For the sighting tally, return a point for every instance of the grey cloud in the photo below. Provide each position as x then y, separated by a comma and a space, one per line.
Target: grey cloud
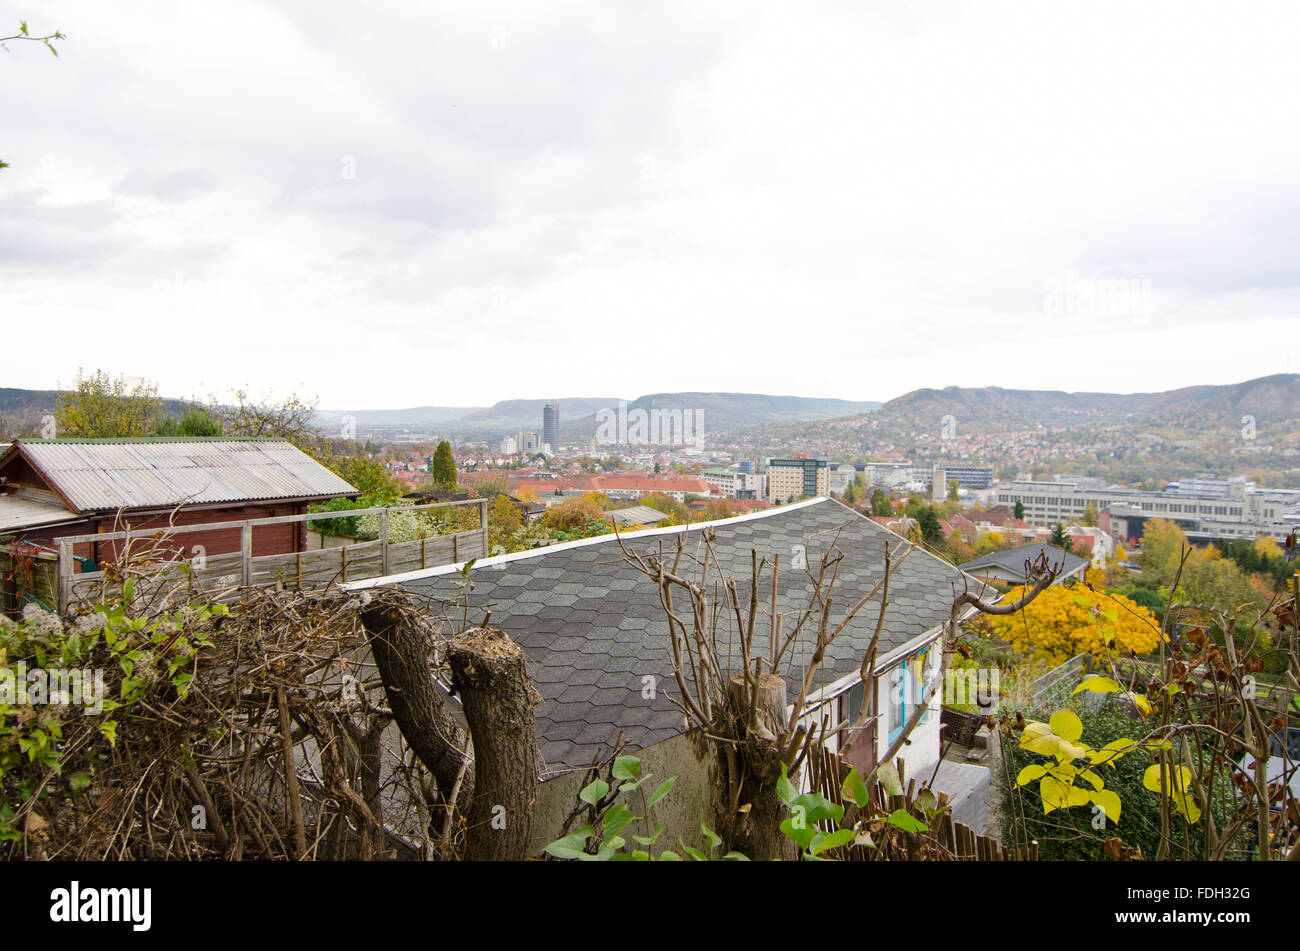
167, 184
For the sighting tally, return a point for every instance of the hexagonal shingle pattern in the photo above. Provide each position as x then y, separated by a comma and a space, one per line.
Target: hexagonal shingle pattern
596, 635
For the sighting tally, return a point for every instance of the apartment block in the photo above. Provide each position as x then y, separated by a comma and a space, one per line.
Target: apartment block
736, 483
1205, 510
790, 479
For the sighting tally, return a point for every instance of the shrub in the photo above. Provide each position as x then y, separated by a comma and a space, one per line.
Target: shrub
1069, 833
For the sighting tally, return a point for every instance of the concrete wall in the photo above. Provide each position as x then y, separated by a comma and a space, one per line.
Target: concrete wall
689, 801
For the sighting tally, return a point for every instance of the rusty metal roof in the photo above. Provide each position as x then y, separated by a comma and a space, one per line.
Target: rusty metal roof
106, 475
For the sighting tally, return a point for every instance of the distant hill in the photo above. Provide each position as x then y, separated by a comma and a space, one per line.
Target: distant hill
724, 412
993, 409
414, 416
24, 410
579, 419
578, 414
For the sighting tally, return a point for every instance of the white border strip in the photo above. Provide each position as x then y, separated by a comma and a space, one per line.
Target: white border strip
405, 576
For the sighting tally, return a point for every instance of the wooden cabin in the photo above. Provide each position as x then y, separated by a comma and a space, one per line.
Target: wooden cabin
58, 488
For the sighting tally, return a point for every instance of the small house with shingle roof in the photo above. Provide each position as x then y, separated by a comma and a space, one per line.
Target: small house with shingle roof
597, 639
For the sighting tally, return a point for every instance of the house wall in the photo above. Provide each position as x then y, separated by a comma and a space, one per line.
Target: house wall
691, 798
267, 540
922, 750
689, 801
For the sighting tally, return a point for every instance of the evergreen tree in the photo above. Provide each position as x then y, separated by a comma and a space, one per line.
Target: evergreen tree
880, 503
931, 530
444, 467
1020, 510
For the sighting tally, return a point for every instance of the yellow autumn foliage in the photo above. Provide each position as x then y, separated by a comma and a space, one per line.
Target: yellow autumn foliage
1062, 622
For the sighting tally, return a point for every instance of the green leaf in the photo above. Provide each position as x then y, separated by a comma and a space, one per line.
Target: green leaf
571, 845
888, 775
649, 839
817, 808
692, 852
833, 841
785, 790
594, 791
79, 782
662, 791
715, 840
801, 836
854, 788
906, 821
627, 767
616, 820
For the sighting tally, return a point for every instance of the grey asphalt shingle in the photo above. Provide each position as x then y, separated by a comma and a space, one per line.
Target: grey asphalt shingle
596, 635
1013, 560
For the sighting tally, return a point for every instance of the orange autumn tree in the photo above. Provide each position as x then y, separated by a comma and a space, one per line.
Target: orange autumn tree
1062, 622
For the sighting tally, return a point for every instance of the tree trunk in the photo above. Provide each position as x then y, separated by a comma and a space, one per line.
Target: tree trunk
750, 812
490, 674
497, 761
401, 655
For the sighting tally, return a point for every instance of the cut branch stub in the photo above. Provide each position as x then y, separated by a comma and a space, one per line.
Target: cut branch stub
758, 705
490, 674
402, 657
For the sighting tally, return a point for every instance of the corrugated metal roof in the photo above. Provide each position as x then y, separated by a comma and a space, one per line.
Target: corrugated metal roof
638, 515
108, 475
18, 513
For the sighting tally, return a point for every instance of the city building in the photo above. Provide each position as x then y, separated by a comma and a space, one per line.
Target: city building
527, 443
939, 485
896, 475
791, 479
841, 477
635, 485
551, 426
1206, 510
735, 483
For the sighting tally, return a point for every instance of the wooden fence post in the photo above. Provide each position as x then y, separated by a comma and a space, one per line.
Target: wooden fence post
383, 542
65, 576
246, 555
483, 528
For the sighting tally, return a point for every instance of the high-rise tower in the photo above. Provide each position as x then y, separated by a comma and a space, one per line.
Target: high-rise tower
551, 425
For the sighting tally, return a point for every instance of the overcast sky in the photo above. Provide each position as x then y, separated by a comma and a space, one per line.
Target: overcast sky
418, 203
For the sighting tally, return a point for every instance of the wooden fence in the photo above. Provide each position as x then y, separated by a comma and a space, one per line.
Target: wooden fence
222, 577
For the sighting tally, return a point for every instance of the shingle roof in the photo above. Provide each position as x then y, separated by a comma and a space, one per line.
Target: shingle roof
104, 475
593, 628
1013, 560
